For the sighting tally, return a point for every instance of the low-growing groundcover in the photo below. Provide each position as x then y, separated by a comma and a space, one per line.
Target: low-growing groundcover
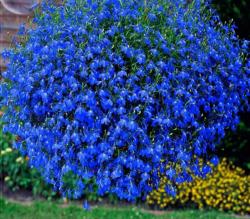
114, 91
48, 210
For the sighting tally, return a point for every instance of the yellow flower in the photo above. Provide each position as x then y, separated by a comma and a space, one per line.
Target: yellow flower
227, 188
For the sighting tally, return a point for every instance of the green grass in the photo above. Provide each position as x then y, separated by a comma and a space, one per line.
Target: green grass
50, 210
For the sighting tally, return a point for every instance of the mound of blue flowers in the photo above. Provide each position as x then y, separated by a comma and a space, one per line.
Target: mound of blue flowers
113, 91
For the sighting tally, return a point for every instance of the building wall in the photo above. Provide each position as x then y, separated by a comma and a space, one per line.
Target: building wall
9, 24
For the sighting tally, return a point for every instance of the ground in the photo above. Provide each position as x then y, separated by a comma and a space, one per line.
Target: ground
22, 204
55, 210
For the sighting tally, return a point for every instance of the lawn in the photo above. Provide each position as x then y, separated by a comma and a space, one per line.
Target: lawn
50, 210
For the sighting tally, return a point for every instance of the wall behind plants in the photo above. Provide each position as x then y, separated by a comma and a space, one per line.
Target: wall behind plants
9, 24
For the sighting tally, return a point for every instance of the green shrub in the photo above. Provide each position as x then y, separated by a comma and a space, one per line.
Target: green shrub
236, 146
15, 170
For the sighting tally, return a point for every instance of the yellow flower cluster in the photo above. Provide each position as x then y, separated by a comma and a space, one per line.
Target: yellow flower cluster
226, 189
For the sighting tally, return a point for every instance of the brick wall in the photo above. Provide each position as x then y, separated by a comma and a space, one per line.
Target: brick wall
9, 24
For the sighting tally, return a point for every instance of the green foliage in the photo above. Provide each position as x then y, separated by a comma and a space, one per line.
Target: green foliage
236, 146
238, 10
15, 170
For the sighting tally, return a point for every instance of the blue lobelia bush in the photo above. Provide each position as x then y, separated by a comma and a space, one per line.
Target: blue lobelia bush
116, 90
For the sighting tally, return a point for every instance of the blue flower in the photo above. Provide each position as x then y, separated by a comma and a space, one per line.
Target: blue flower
215, 160
80, 114
171, 173
86, 206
